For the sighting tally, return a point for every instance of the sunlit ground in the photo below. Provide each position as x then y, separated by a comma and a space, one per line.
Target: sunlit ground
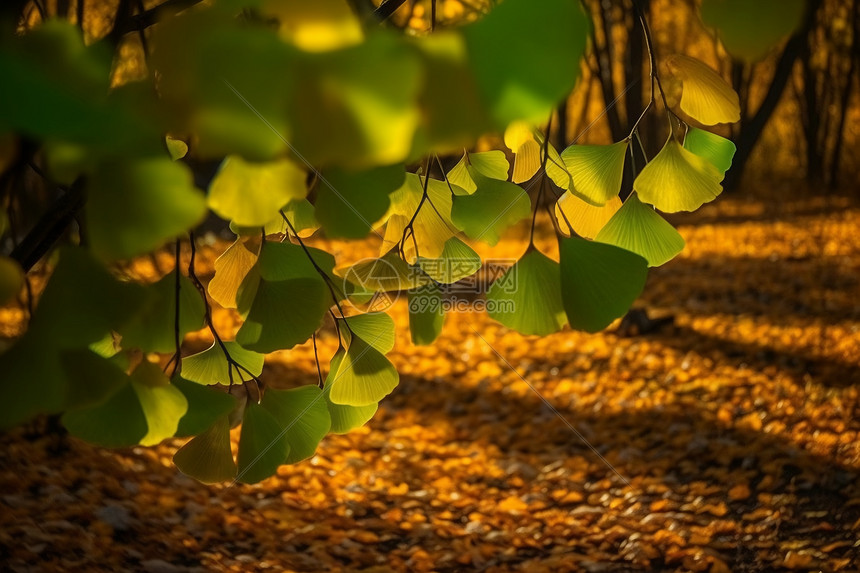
724, 438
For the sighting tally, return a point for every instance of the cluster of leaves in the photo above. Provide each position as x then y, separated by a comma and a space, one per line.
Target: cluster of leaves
314, 119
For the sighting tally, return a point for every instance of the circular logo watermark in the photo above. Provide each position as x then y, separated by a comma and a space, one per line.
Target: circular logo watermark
372, 285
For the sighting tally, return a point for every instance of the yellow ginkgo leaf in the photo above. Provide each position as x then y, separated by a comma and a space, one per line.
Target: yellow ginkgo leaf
520, 138
678, 180
585, 219
596, 170
705, 95
431, 226
231, 268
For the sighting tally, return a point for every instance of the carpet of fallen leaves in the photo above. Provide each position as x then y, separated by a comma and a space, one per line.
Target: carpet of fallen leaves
721, 434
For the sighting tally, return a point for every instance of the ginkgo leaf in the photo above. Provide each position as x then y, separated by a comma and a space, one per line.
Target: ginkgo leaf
376, 328
639, 229
251, 194
585, 219
491, 164
430, 219
205, 406
286, 300
303, 417
11, 278
211, 366
344, 418
457, 262
751, 29
176, 147
384, 274
426, 314
349, 202
364, 377
208, 457
718, 150
596, 170
90, 379
678, 180
115, 423
556, 168
491, 209
133, 206
163, 404
83, 302
153, 329
510, 49
705, 95
263, 445
231, 268
599, 282
519, 138
527, 298
302, 216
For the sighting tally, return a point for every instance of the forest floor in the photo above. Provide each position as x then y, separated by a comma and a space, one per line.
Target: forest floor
722, 438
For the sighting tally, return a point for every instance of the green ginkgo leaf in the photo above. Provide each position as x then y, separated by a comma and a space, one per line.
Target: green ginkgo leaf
596, 170
527, 298
510, 50
90, 378
599, 282
520, 138
231, 268
153, 328
134, 206
506, 203
344, 418
678, 180
377, 328
117, 422
751, 29
263, 445
365, 376
457, 262
208, 457
639, 229
426, 314
286, 300
163, 404
176, 148
492, 164
211, 366
251, 194
718, 150
584, 219
349, 203
205, 406
302, 216
303, 417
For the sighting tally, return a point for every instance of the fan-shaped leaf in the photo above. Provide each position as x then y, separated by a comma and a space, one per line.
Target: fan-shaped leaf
377, 328
492, 164
457, 262
152, 329
251, 194
205, 406
211, 366
493, 207
705, 95
303, 416
599, 282
262, 445
520, 139
364, 377
384, 274
527, 298
208, 457
348, 203
344, 418
718, 150
231, 268
639, 229
432, 224
134, 206
426, 314
585, 219
677, 180
117, 422
302, 216
163, 404
750, 29
176, 148
596, 170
